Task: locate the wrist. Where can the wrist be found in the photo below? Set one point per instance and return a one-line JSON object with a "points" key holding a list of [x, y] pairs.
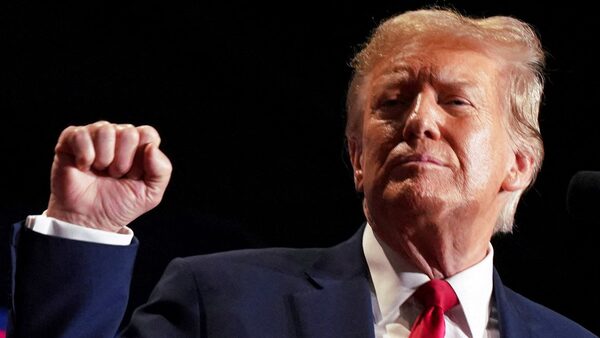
{"points": [[84, 220]]}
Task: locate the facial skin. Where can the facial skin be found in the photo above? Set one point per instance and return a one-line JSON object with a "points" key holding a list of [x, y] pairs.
{"points": [[434, 160]]}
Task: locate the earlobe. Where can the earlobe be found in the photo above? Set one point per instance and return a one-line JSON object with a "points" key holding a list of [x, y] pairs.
{"points": [[520, 172], [355, 152], [358, 179]]}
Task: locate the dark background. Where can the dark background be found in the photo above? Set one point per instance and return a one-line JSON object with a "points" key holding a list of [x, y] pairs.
{"points": [[249, 100]]}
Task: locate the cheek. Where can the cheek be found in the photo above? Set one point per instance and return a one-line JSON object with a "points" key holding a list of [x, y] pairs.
{"points": [[378, 140], [484, 157]]}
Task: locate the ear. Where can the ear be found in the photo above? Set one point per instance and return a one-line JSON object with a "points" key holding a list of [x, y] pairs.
{"points": [[519, 173], [355, 152]]}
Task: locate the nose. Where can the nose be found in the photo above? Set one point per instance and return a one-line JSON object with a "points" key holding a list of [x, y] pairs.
{"points": [[424, 118]]}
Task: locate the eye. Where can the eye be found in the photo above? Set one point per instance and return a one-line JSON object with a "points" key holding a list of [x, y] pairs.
{"points": [[387, 103], [393, 101], [457, 101], [458, 105], [391, 107]]}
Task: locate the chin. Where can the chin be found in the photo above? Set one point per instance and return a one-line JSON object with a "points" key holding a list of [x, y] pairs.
{"points": [[415, 192], [411, 197]]}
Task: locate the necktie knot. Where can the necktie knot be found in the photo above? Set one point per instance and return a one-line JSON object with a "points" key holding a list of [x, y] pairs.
{"points": [[436, 293], [437, 297]]}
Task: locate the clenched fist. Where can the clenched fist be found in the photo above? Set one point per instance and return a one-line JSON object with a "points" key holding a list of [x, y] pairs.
{"points": [[105, 175]]}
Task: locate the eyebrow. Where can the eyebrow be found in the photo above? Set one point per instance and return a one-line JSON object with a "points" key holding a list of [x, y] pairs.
{"points": [[440, 79], [402, 73], [393, 79]]}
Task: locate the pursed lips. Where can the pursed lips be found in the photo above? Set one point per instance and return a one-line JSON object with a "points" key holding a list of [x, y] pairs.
{"points": [[419, 158]]}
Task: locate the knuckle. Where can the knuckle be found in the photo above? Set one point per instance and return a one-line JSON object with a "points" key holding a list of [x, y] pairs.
{"points": [[148, 134], [79, 134], [64, 138], [100, 123], [66, 132], [123, 126], [148, 129], [69, 129], [130, 134], [105, 131]]}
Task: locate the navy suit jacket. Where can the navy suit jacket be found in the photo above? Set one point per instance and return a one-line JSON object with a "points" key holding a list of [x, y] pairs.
{"points": [[65, 288]]}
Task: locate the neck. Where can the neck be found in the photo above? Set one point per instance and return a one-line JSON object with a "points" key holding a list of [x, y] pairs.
{"points": [[437, 253], [441, 258]]}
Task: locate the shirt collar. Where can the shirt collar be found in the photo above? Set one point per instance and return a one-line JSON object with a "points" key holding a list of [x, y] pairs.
{"points": [[395, 280]]}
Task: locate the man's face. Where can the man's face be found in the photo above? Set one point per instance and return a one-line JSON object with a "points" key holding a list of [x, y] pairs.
{"points": [[434, 143]]}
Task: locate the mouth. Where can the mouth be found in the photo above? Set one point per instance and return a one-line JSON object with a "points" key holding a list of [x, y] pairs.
{"points": [[420, 159]]}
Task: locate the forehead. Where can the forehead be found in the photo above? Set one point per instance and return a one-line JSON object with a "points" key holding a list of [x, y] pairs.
{"points": [[467, 67]]}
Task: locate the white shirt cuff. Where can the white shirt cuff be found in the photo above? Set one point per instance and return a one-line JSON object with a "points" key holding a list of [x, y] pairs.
{"points": [[57, 228]]}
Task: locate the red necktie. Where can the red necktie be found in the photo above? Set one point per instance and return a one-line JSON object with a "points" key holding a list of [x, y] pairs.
{"points": [[437, 297]]}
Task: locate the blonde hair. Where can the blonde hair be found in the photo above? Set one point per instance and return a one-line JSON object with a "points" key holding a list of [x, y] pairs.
{"points": [[508, 40]]}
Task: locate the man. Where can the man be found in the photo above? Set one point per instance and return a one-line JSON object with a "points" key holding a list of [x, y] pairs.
{"points": [[443, 138]]}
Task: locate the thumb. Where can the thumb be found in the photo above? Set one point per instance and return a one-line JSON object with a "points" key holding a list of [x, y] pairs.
{"points": [[157, 170]]}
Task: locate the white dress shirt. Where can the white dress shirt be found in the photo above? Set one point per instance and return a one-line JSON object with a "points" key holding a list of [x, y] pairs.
{"points": [[54, 227], [394, 280]]}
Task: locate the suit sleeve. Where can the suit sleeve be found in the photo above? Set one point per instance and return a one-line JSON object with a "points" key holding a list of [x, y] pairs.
{"points": [[174, 308], [67, 288]]}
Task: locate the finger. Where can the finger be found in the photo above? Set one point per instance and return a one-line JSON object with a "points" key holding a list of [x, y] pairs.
{"points": [[148, 135], [157, 172], [104, 136], [76, 143], [62, 150], [127, 141], [62, 145], [95, 125]]}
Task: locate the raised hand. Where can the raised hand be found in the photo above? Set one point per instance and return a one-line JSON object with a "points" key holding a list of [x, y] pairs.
{"points": [[105, 175]]}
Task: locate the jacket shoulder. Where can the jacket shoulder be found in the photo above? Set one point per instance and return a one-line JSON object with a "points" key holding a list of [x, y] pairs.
{"points": [[278, 266], [239, 268], [543, 321]]}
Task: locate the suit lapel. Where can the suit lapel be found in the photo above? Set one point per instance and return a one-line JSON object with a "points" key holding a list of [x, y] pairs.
{"points": [[513, 324], [340, 303]]}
